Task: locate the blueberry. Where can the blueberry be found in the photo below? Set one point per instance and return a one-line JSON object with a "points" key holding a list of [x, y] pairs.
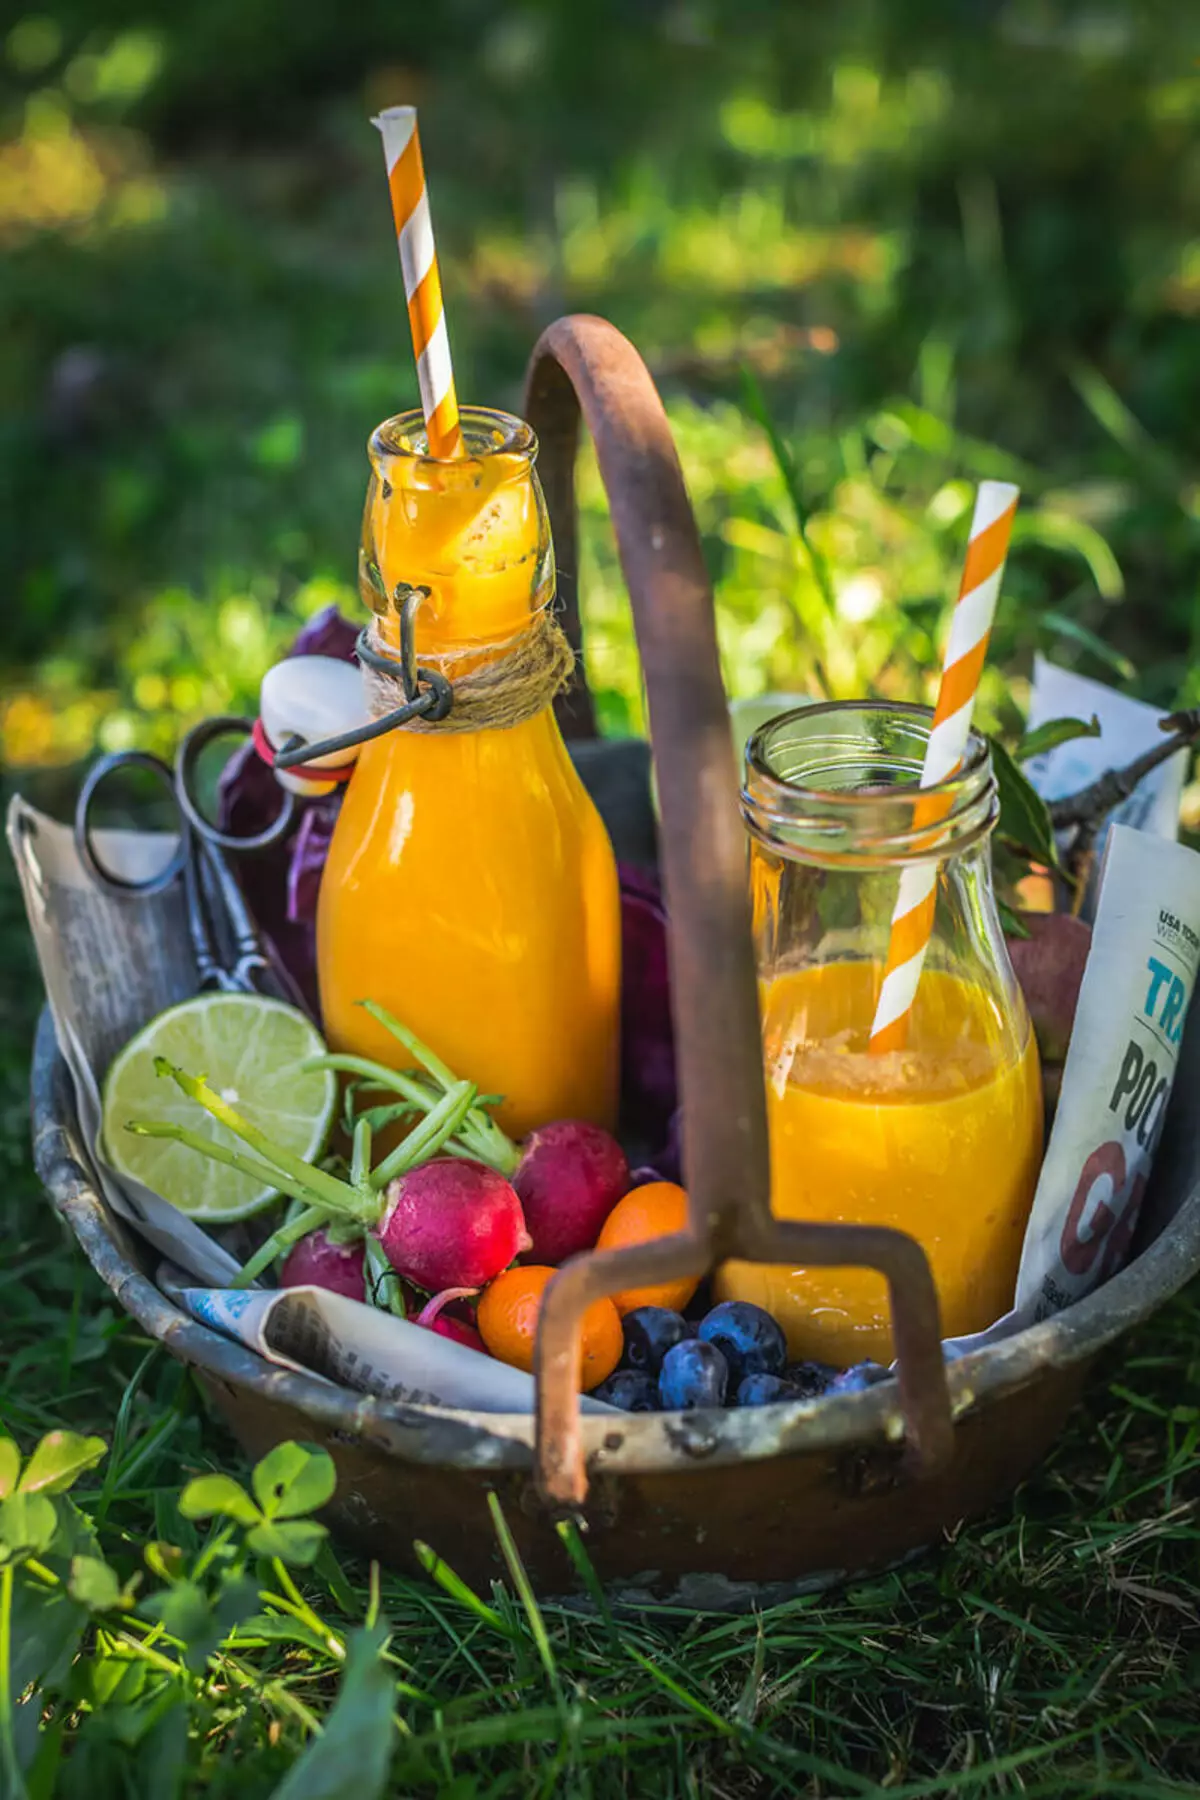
{"points": [[747, 1337], [857, 1380], [630, 1389], [810, 1378], [765, 1390], [650, 1331], [693, 1374]]}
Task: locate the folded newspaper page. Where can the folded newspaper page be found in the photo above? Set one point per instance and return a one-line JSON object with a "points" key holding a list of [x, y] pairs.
{"points": [[356, 1346], [110, 962], [1117, 1080]]}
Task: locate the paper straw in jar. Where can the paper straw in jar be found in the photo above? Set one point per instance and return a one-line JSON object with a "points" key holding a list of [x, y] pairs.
{"points": [[912, 920], [422, 284]]}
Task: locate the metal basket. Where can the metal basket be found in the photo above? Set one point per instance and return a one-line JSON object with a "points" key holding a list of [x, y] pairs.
{"points": [[712, 1507]]}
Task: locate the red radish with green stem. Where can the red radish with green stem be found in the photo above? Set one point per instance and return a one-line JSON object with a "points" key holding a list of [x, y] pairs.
{"points": [[568, 1175], [451, 1223], [441, 1222]]}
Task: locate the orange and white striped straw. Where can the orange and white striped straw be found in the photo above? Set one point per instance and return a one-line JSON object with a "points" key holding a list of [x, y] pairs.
{"points": [[422, 284], [912, 920]]}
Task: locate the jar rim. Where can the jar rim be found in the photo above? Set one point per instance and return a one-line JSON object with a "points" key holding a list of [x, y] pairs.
{"points": [[974, 762], [873, 821], [495, 433]]}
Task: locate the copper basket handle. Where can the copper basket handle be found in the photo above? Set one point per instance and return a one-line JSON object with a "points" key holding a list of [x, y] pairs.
{"points": [[583, 365]]}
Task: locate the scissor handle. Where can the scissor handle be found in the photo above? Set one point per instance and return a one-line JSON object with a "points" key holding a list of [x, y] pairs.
{"points": [[114, 763], [198, 740]]}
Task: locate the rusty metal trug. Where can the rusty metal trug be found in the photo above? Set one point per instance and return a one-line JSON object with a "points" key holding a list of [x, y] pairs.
{"points": [[582, 366], [723, 1508]]}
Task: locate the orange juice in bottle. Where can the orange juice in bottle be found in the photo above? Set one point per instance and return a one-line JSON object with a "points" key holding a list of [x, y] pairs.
{"points": [[941, 1139], [471, 887]]}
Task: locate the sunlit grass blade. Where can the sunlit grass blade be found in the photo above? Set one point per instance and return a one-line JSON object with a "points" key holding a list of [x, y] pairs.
{"points": [[516, 1568], [457, 1589]]}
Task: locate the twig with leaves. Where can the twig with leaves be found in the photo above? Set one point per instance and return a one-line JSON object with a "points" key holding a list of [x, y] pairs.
{"points": [[1084, 812]]}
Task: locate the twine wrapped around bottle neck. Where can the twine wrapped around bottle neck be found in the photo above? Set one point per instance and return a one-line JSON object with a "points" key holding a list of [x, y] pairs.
{"points": [[495, 686]]}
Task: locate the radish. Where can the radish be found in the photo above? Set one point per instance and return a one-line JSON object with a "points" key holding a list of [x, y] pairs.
{"points": [[459, 1331], [570, 1176], [316, 1261], [451, 1223]]}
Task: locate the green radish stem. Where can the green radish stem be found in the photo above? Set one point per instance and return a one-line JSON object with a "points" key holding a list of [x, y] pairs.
{"points": [[233, 1159], [288, 1234], [427, 1138], [418, 1093], [383, 1282], [492, 1145], [481, 1138], [309, 1182], [428, 1059], [360, 1156]]}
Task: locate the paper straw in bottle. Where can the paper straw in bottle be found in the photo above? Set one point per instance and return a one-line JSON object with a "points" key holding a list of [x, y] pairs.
{"points": [[912, 920], [422, 284]]}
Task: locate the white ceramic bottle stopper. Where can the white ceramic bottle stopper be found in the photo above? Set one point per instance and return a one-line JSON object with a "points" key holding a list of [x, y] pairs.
{"points": [[312, 697]]}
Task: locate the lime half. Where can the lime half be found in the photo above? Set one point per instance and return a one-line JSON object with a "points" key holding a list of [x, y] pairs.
{"points": [[250, 1049]]}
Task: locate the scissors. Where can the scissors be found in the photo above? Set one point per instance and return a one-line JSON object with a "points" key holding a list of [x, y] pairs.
{"points": [[217, 914]]}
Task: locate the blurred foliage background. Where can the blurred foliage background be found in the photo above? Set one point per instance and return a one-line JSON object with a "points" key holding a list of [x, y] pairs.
{"points": [[939, 238]]}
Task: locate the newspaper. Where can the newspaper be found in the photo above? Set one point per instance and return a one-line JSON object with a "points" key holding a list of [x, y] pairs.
{"points": [[1128, 728], [110, 963], [356, 1346], [1117, 1079], [84, 935]]}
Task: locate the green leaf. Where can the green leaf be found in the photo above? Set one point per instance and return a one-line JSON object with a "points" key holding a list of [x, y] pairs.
{"points": [[187, 1614], [10, 1464], [294, 1479], [220, 1495], [58, 1462], [164, 1560], [41, 1777], [354, 1752], [1024, 820], [236, 1601], [75, 1536], [298, 1542], [1011, 923], [47, 1626], [162, 1755], [1053, 733], [28, 1523], [182, 1610], [98, 1587]]}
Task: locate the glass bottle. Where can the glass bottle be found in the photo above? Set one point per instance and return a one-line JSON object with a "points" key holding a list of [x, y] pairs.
{"points": [[943, 1138], [471, 887]]}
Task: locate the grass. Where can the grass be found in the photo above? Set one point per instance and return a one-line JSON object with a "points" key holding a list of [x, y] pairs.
{"points": [[944, 243], [1049, 1650]]}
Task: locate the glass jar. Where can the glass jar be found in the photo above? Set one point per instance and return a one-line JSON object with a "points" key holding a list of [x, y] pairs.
{"points": [[471, 887], [942, 1138]]}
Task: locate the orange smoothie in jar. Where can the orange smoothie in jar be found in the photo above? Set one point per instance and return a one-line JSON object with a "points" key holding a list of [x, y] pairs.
{"points": [[942, 1140], [471, 887]]}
